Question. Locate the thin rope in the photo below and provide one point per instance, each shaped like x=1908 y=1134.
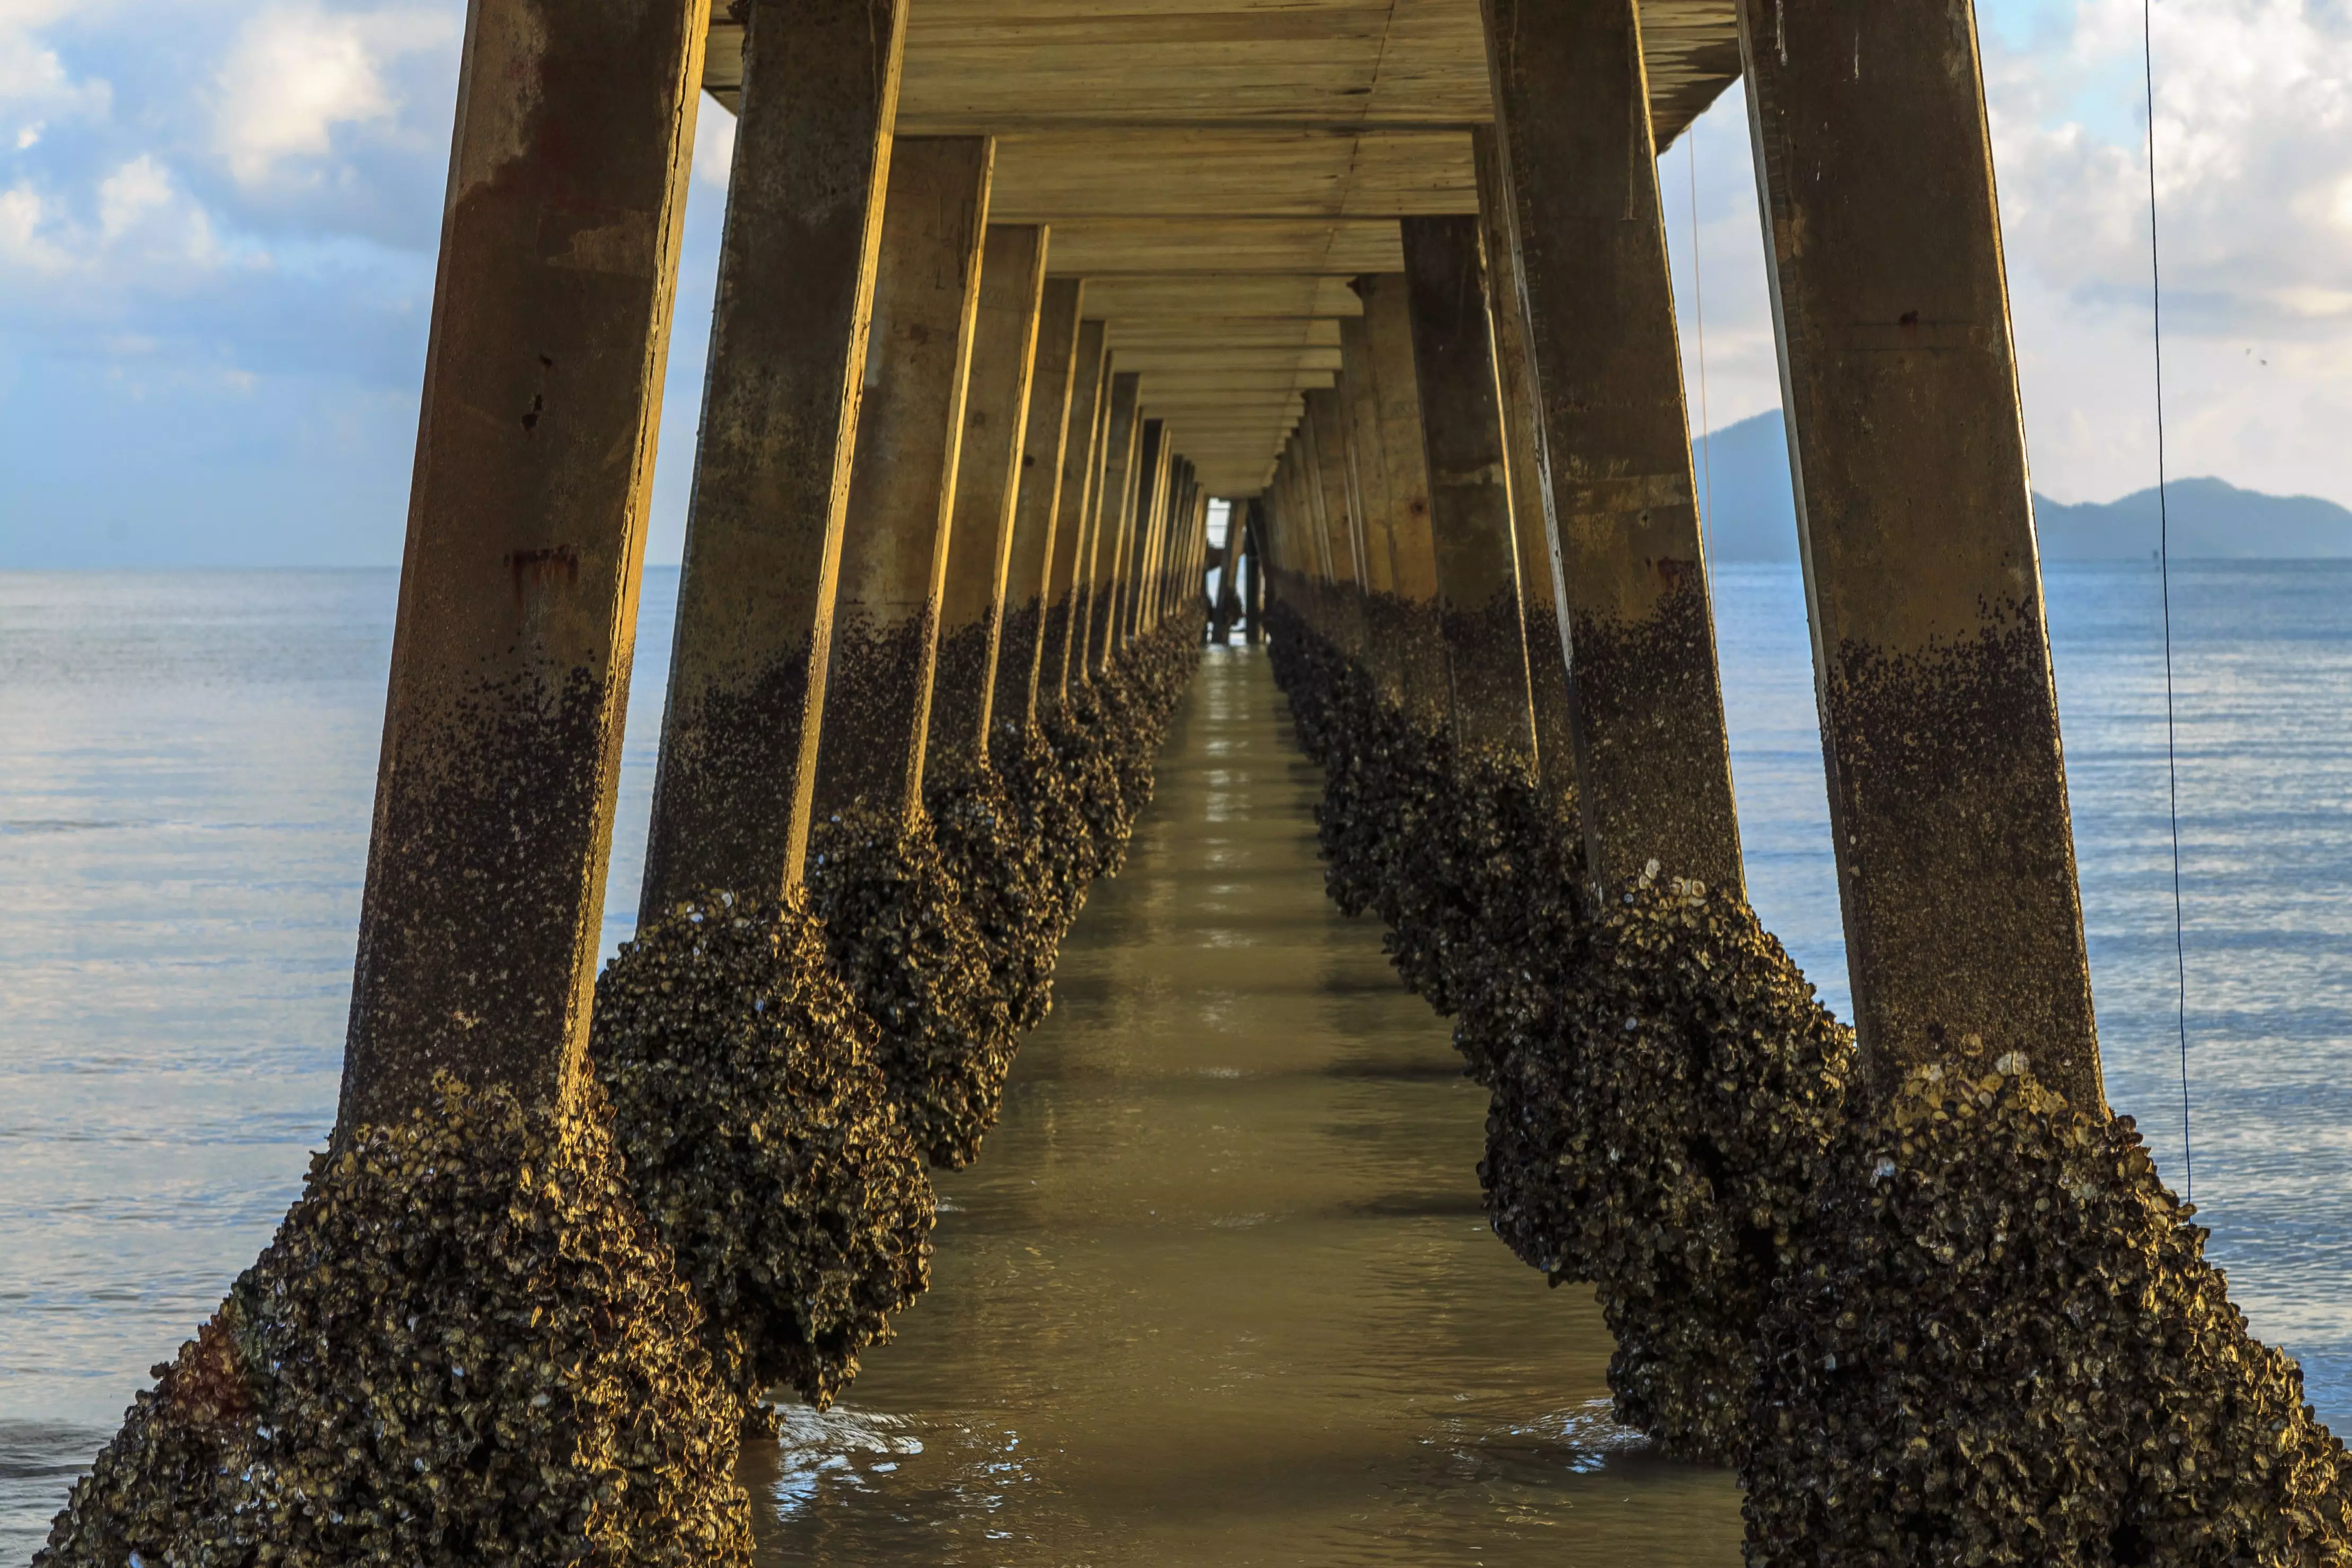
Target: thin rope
x=2164 y=579
x=1698 y=318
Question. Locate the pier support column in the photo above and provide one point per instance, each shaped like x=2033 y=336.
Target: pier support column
x=902 y=485
x=1947 y=782
x=1653 y=760
x=478 y=928
x=1387 y=637
x=1254 y=583
x=1114 y=517
x=987 y=489
x=1061 y=645
x=1469 y=489
x=1395 y=391
x=1539 y=575
x=1029 y=563
x=780 y=410
x=1150 y=503
x=1330 y=496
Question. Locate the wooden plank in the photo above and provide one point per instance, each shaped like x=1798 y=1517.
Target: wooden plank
x=1215 y=332
x=1181 y=170
x=1232 y=296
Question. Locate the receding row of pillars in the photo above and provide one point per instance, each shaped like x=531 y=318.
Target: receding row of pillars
x=925 y=501
x=1505 y=464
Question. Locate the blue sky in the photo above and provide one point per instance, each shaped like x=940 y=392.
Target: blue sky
x=218 y=221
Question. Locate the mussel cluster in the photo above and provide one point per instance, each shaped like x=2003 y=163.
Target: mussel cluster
x=490 y=1334
x=762 y=1139
x=1958 y=1323
x=465 y=1344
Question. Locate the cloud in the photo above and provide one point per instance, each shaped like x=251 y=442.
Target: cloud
x=139 y=230
x=35 y=87
x=297 y=73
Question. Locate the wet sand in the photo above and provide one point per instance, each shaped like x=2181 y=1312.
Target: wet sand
x=1219 y=1289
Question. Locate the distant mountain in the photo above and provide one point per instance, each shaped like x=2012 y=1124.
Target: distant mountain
x=1755 y=514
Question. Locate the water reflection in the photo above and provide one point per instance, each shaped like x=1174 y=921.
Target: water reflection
x=1218 y=1289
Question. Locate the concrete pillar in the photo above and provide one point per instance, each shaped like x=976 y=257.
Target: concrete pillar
x=1065 y=626
x=1029 y=563
x=1326 y=477
x=1653 y=765
x=1229 y=572
x=1114 y=517
x=1359 y=411
x=1253 y=580
x=987 y=487
x=1471 y=525
x=1548 y=671
x=1151 y=495
x=1946 y=783
x=1393 y=389
x=894 y=546
x=779 y=404
x=479 y=928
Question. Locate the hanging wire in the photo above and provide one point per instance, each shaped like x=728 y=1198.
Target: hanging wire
x=2164 y=580
x=1698 y=318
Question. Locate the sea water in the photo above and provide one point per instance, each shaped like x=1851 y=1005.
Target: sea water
x=186 y=765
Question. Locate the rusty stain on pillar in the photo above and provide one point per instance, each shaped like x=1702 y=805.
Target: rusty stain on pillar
x=480 y=925
x=1061 y=637
x=894 y=545
x=1114 y=517
x=1028 y=568
x=1548 y=671
x=1939 y=723
x=1470 y=519
x=987 y=489
x=1395 y=391
x=1653 y=761
x=780 y=405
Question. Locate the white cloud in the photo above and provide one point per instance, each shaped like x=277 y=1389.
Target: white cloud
x=36 y=88
x=714 y=145
x=143 y=231
x=2253 y=140
x=298 y=71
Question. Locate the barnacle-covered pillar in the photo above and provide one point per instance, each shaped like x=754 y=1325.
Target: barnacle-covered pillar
x=903 y=481
x=1947 y=781
x=1385 y=368
x=1114 y=517
x=1578 y=179
x=779 y=411
x=1029 y=559
x=1144 y=537
x=1548 y=675
x=1060 y=645
x=987 y=489
x=1333 y=476
x=1469 y=490
x=526 y=530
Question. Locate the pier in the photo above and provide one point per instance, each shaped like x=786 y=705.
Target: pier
x=1028 y=317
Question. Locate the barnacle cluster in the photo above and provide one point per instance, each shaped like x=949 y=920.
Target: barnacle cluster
x=1007 y=882
x=1667 y=1140
x=900 y=934
x=761 y=1140
x=2004 y=1345
x=1045 y=803
x=463 y=1345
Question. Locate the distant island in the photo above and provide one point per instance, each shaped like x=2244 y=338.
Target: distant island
x=1755 y=516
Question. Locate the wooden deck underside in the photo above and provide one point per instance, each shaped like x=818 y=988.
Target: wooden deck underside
x=1217 y=171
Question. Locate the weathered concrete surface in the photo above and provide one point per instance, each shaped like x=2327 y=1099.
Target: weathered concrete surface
x=1654 y=763
x=1393 y=389
x=1947 y=781
x=1469 y=489
x=1254 y=582
x=894 y=548
x=1331 y=474
x=1029 y=561
x=987 y=489
x=1135 y=561
x=1114 y=517
x=526 y=531
x=1061 y=644
x=1547 y=673
x=771 y=472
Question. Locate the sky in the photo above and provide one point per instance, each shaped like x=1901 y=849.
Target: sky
x=218 y=222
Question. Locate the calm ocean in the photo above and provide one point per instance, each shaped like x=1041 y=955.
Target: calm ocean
x=186 y=763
